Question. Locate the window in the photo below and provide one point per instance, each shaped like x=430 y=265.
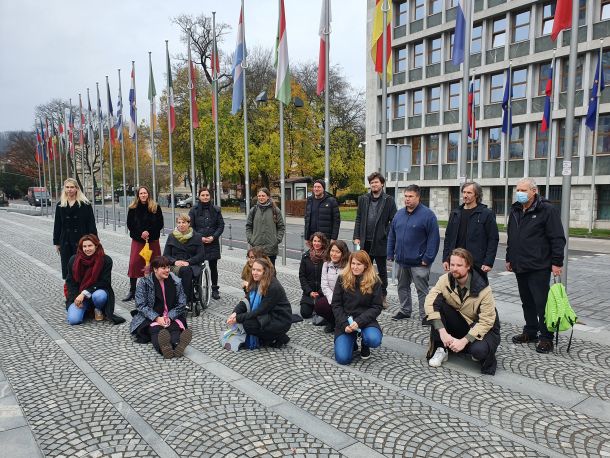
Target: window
x=452 y=3
x=497 y=199
x=418 y=97
x=416 y=150
x=434 y=99
x=521 y=27
x=401 y=14
x=582 y=12
x=493 y=144
x=519 y=83
x=452 y=147
x=424 y=196
x=548 y=16
x=497 y=88
x=473 y=149
x=399 y=106
x=606 y=65
x=542 y=142
x=454 y=96
x=434 y=6
x=516 y=141
x=477 y=90
x=543 y=76
x=454 y=197
x=434 y=51
x=603 y=201
x=562 y=137
x=418 y=9
x=400 y=57
x=432 y=149
x=605 y=10
x=418 y=54
x=564 y=73
x=498 y=33
x=387 y=107
x=476 y=41
x=603 y=135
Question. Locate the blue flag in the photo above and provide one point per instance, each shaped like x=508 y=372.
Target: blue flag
x=507 y=121
x=598 y=86
x=238 y=71
x=459 y=42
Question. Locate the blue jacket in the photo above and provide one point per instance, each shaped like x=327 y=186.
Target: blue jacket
x=414 y=237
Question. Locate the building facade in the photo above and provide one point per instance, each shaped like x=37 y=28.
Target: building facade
x=424 y=102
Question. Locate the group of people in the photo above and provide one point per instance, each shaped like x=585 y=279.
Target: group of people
x=341 y=290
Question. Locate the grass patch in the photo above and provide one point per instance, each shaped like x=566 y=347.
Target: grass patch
x=348 y=213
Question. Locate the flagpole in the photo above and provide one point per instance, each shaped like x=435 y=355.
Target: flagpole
x=101 y=146
x=507 y=137
x=59 y=149
x=39 y=157
x=462 y=152
x=135 y=109
x=90 y=145
x=67 y=140
x=152 y=133
x=384 y=87
x=82 y=146
x=326 y=100
x=169 y=132
x=244 y=66
x=473 y=132
x=190 y=88
x=110 y=126
x=123 y=153
x=550 y=130
x=595 y=133
x=44 y=177
x=54 y=161
x=215 y=102
x=49 y=182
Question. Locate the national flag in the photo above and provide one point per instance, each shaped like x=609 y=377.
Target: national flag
x=71 y=131
x=99 y=118
x=377 y=39
x=459 y=42
x=598 y=86
x=133 y=124
x=507 y=122
x=38 y=146
x=170 y=97
x=43 y=141
x=563 y=17
x=89 y=138
x=548 y=91
x=54 y=142
x=472 y=127
x=82 y=121
x=282 y=79
x=110 y=114
x=119 y=115
x=240 y=53
x=324 y=32
x=49 y=142
x=215 y=64
x=152 y=93
x=194 y=96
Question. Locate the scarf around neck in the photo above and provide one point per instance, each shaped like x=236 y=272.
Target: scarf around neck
x=183 y=238
x=86 y=270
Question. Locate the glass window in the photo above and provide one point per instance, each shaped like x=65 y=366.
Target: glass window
x=432 y=149
x=543 y=76
x=605 y=10
x=582 y=12
x=452 y=3
x=418 y=9
x=454 y=95
x=516 y=141
x=562 y=137
x=521 y=27
x=519 y=83
x=548 y=15
x=388 y=102
x=603 y=134
x=603 y=201
x=473 y=149
x=452 y=147
x=434 y=6
x=477 y=39
x=399 y=106
x=564 y=72
x=434 y=99
x=494 y=144
x=418 y=54
x=498 y=34
x=401 y=14
x=400 y=56
x=418 y=97
x=497 y=199
x=542 y=142
x=477 y=90
x=497 y=88
x=434 y=51
x=416 y=150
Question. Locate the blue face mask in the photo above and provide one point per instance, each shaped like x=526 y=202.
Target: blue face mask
x=522 y=197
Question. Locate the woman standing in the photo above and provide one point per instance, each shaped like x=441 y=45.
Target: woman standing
x=338 y=255
x=145 y=223
x=73 y=219
x=310 y=274
x=207 y=221
x=357 y=302
x=265 y=226
x=184 y=250
x=89 y=283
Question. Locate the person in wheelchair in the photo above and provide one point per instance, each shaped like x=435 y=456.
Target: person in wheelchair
x=185 y=252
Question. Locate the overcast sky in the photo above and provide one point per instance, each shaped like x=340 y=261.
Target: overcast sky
x=56 y=49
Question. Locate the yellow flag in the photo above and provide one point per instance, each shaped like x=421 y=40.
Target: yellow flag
x=377 y=38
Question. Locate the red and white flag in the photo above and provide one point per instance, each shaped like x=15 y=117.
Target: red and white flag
x=324 y=33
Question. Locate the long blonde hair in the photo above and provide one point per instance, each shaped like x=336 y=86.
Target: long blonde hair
x=368 y=278
x=80 y=197
x=152 y=205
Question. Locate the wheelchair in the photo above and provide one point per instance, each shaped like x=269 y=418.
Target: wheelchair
x=202 y=290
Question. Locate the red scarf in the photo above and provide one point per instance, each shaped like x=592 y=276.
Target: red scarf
x=86 y=270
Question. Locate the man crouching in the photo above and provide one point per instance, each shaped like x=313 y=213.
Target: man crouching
x=462 y=311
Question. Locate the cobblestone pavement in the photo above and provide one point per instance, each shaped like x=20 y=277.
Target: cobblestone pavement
x=90 y=391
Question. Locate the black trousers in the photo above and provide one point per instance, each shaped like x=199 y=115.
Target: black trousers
x=534 y=290
x=66 y=251
x=174 y=332
x=214 y=272
x=186 y=277
x=253 y=328
x=382 y=266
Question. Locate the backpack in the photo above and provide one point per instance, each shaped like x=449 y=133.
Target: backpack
x=558 y=314
x=274 y=210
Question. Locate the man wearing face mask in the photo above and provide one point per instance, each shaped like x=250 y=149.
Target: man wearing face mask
x=534 y=249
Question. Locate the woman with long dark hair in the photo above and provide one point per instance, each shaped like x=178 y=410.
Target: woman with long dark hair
x=145 y=223
x=310 y=274
x=338 y=254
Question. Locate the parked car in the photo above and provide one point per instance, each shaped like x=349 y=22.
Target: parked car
x=38 y=196
x=185 y=203
x=3 y=199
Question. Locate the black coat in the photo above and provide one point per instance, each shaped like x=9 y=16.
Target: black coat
x=274 y=313
x=385 y=214
x=481 y=236
x=191 y=251
x=139 y=219
x=363 y=308
x=535 y=238
x=329 y=218
x=208 y=223
x=310 y=276
x=103 y=282
x=73 y=225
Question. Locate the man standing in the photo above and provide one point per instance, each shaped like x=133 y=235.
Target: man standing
x=534 y=249
x=373 y=218
x=413 y=243
x=472 y=226
x=322 y=213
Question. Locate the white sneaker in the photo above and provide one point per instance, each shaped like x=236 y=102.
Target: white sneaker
x=439 y=357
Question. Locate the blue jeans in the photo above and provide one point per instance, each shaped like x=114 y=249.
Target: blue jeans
x=77 y=314
x=344 y=344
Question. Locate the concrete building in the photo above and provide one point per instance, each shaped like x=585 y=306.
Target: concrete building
x=424 y=103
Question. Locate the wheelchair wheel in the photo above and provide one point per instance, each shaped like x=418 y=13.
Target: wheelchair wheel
x=206 y=286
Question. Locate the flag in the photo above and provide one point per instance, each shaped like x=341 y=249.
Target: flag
x=324 y=32
x=132 y=104
x=472 y=127
x=89 y=139
x=49 y=142
x=282 y=79
x=507 y=122
x=82 y=121
x=99 y=118
x=194 y=96
x=548 y=90
x=110 y=114
x=152 y=93
x=563 y=17
x=170 y=97
x=119 y=115
x=598 y=86
x=240 y=53
x=377 y=39
x=459 y=42
x=71 y=131
x=215 y=64
x=43 y=141
x=38 y=147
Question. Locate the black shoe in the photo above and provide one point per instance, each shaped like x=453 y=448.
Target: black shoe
x=401 y=316
x=130 y=296
x=280 y=341
x=524 y=338
x=544 y=346
x=365 y=352
x=215 y=295
x=425 y=322
x=329 y=328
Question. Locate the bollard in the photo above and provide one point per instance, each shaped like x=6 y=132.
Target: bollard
x=230 y=237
